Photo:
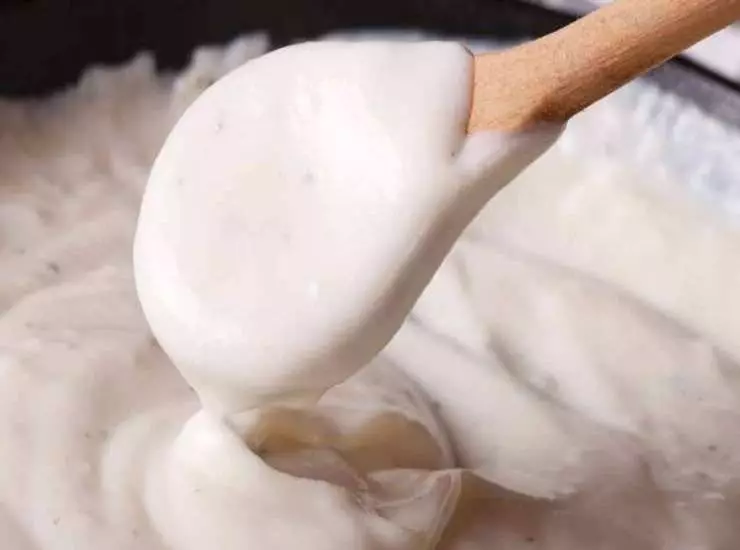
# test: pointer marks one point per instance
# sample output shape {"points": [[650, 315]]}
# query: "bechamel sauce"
{"points": [[569, 355], [291, 220], [300, 206]]}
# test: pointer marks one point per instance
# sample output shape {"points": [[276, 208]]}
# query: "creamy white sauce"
{"points": [[294, 215], [575, 353], [300, 206]]}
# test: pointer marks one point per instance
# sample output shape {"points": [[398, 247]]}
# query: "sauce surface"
{"points": [[575, 355]]}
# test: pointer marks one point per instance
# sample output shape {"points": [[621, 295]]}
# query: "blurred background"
{"points": [[46, 44]]}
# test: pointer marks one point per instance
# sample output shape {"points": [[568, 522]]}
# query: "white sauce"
{"points": [[299, 208], [291, 220], [549, 368]]}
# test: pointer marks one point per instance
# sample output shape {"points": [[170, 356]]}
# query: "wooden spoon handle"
{"points": [[553, 78]]}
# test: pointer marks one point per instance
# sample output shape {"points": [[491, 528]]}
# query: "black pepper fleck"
{"points": [[309, 178], [53, 267]]}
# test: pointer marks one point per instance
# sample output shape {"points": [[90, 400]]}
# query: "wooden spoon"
{"points": [[555, 77]]}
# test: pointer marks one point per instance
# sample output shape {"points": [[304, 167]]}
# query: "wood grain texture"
{"points": [[554, 77]]}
